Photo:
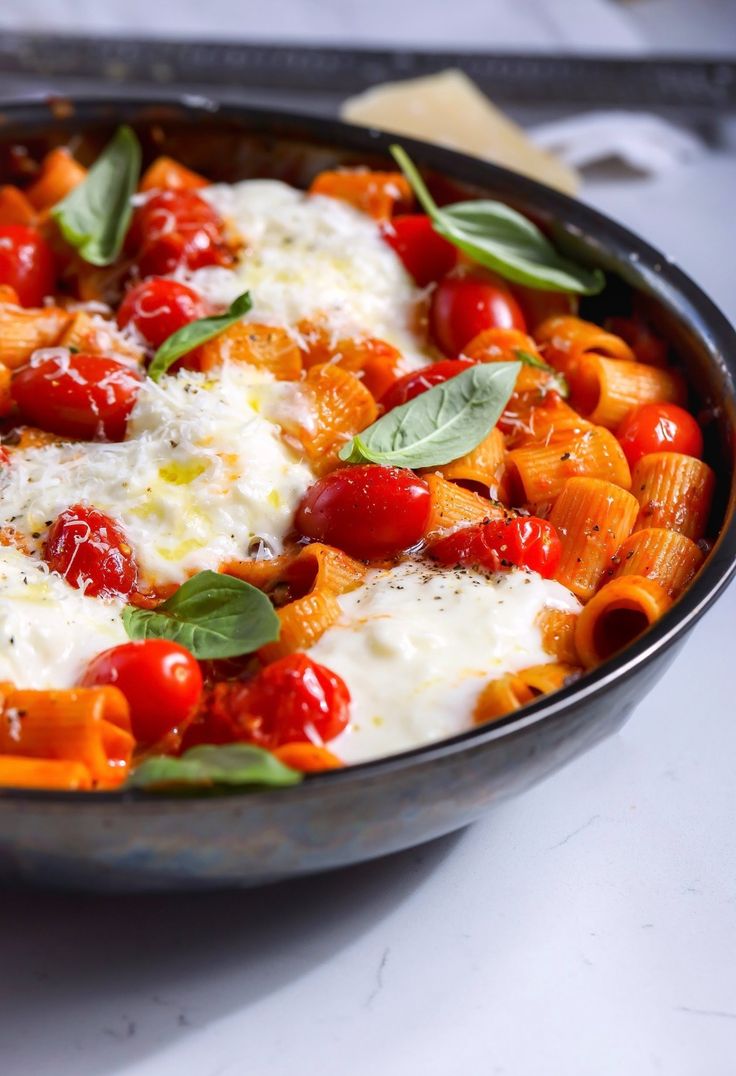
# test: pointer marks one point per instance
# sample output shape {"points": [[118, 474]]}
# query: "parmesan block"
{"points": [[449, 109]]}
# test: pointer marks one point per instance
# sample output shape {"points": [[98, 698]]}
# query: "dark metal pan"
{"points": [[134, 841]]}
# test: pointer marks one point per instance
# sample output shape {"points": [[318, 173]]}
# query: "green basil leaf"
{"points": [[212, 615], [196, 333], [441, 424], [94, 217], [499, 238], [210, 766]]}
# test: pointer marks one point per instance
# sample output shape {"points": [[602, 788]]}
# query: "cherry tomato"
{"points": [[91, 552], [418, 381], [26, 263], [370, 512], [161, 681], [176, 229], [659, 427], [463, 306], [159, 307], [425, 254], [85, 396], [293, 700], [522, 541]]}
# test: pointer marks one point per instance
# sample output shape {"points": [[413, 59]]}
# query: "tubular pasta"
{"points": [[484, 464], [87, 725], [264, 346], [23, 331], [374, 193], [303, 622], [558, 634], [339, 408], [307, 757], [15, 207], [666, 556], [673, 491], [167, 174], [592, 517], [618, 614], [605, 390], [543, 419], [502, 345], [508, 693], [6, 400], [59, 175], [565, 340], [16, 771], [451, 505], [541, 470], [95, 336]]}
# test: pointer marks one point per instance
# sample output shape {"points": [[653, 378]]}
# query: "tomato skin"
{"points": [[176, 229], [522, 541], [659, 427], [91, 552], [463, 306], [292, 700], [418, 381], [425, 254], [369, 511], [26, 263], [159, 307], [161, 681], [84, 396]]}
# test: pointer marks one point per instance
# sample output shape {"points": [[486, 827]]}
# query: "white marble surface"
{"points": [[586, 928]]}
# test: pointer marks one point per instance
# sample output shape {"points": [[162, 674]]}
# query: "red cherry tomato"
{"points": [[292, 700], [463, 306], [370, 512], [159, 307], [523, 541], [91, 552], [161, 681], [26, 263], [418, 381], [176, 229], [85, 396], [659, 427], [425, 254]]}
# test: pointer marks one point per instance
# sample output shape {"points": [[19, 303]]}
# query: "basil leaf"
{"points": [[208, 766], [499, 238], [441, 424], [212, 615], [196, 333], [94, 217]]}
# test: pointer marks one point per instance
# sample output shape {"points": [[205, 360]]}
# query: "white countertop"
{"points": [[588, 927]]}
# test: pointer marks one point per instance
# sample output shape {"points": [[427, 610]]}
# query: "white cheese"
{"points": [[49, 630], [315, 258], [416, 644], [203, 471]]}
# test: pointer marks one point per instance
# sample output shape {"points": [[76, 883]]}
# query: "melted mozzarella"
{"points": [[49, 630], [202, 472], [416, 644], [312, 257]]}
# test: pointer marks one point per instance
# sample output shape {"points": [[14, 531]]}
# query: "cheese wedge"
{"points": [[449, 109]]}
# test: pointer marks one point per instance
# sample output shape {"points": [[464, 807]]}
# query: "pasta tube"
{"points": [[673, 491], [606, 390], [668, 557], [451, 506], [618, 614], [540, 470], [266, 347]]}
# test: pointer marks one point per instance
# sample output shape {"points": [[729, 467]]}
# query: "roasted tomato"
{"points": [[370, 512], [26, 263], [659, 427], [292, 700], [84, 396], [159, 307], [522, 541], [463, 305], [161, 681], [425, 254], [176, 229], [418, 381], [91, 552]]}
